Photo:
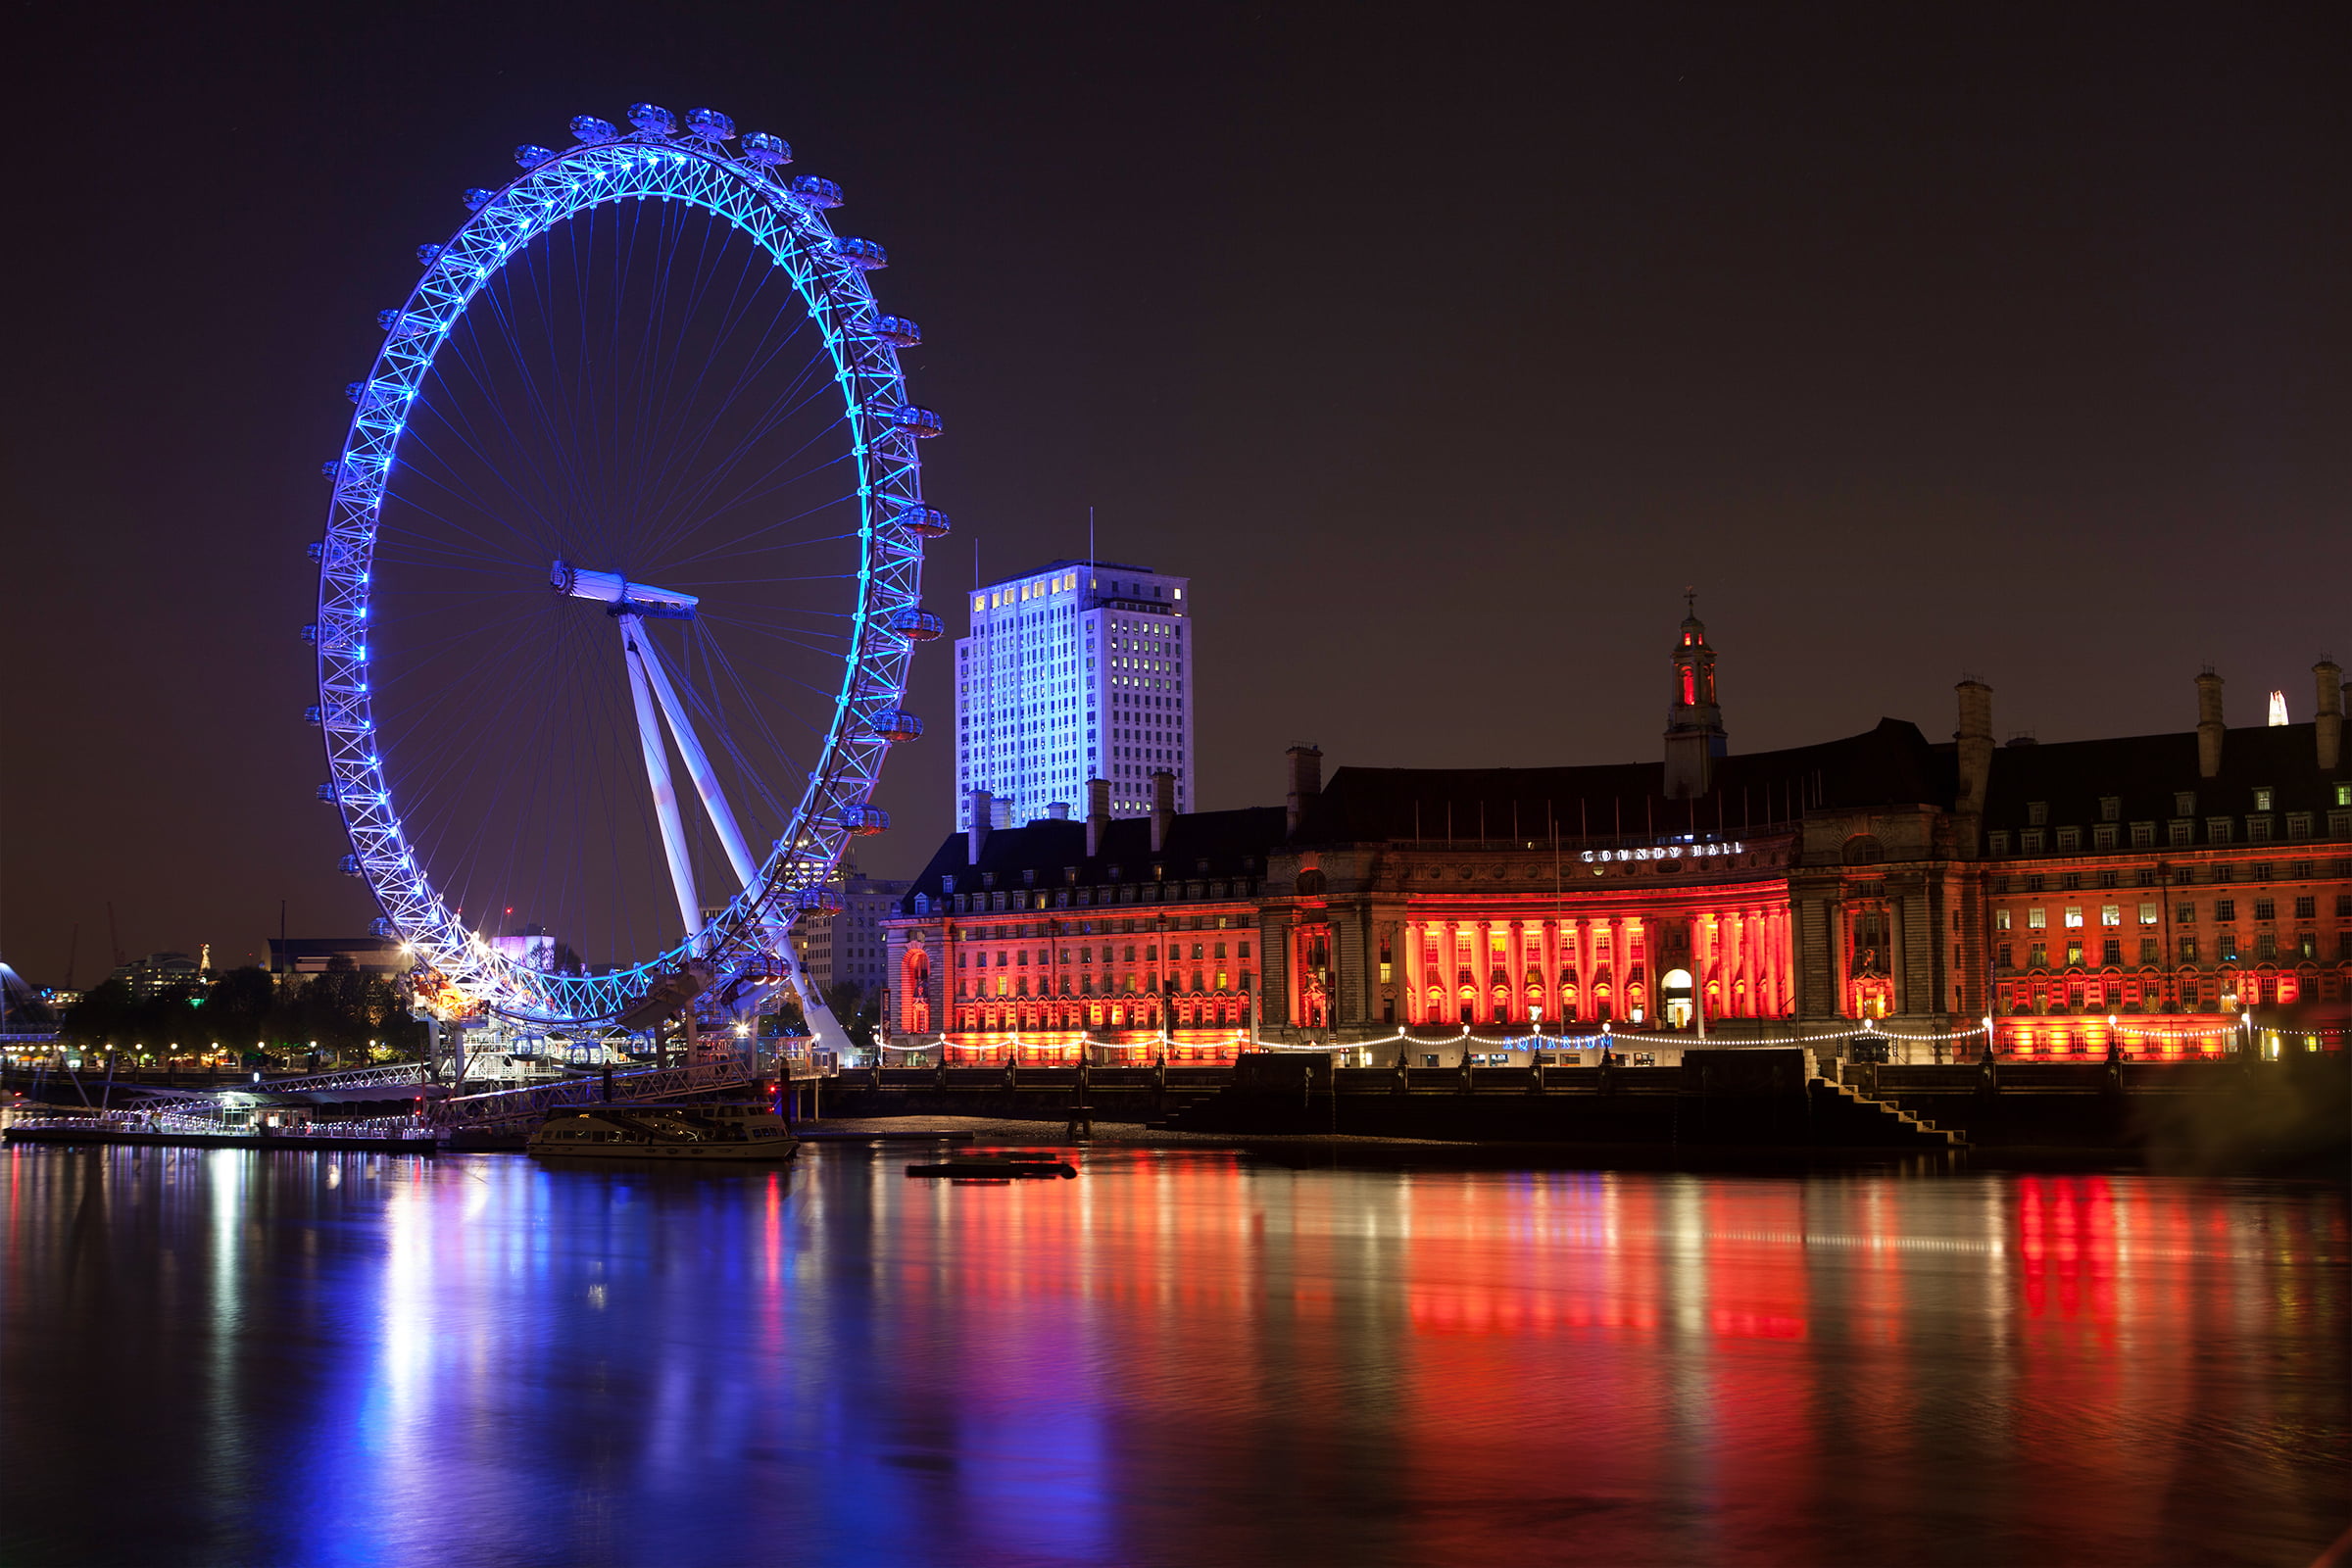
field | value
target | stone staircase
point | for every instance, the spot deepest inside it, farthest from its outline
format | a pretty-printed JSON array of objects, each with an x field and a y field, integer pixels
[{"x": 1913, "y": 1129}]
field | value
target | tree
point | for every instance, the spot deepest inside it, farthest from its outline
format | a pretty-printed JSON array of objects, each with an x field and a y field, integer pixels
[{"x": 856, "y": 1008}]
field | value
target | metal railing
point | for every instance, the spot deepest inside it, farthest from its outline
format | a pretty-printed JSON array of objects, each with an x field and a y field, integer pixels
[
  {"x": 181, "y": 1124},
  {"x": 505, "y": 1105}
]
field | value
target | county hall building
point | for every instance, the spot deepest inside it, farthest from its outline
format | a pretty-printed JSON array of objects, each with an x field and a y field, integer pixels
[{"x": 2164, "y": 892}]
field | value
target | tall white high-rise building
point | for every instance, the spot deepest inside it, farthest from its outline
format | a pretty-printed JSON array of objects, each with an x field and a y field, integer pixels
[{"x": 1079, "y": 670}]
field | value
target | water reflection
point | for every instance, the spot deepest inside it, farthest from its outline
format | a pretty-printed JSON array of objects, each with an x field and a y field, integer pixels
[{"x": 1180, "y": 1357}]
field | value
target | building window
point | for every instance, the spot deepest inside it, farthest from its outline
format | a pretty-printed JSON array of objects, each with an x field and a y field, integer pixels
[
  {"x": 2266, "y": 909},
  {"x": 2102, "y": 837},
  {"x": 2074, "y": 955},
  {"x": 2000, "y": 843},
  {"x": 2217, "y": 831},
  {"x": 2147, "y": 950},
  {"x": 2225, "y": 909},
  {"x": 2263, "y": 794},
  {"x": 2038, "y": 956},
  {"x": 2070, "y": 838},
  {"x": 2143, "y": 835},
  {"x": 2074, "y": 917},
  {"x": 2038, "y": 812},
  {"x": 2037, "y": 918},
  {"x": 2266, "y": 946},
  {"x": 2006, "y": 951},
  {"x": 2000, "y": 920},
  {"x": 2034, "y": 841},
  {"x": 2111, "y": 951},
  {"x": 2307, "y": 945},
  {"x": 2307, "y": 906},
  {"x": 2185, "y": 915},
  {"x": 2111, "y": 914},
  {"x": 2183, "y": 833},
  {"x": 2227, "y": 942},
  {"x": 2111, "y": 807},
  {"x": 2258, "y": 829},
  {"x": 2151, "y": 914}
]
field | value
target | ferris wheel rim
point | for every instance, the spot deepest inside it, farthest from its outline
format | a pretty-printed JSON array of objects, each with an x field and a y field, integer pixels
[{"x": 827, "y": 274}]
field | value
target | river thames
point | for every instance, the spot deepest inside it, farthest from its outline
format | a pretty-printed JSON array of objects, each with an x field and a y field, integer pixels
[{"x": 1190, "y": 1356}]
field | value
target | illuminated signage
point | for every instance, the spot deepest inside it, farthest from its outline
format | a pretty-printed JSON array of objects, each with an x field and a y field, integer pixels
[{"x": 1661, "y": 851}]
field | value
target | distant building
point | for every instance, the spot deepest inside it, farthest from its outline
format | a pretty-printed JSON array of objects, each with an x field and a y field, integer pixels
[
  {"x": 2165, "y": 895},
  {"x": 1074, "y": 671},
  {"x": 846, "y": 945},
  {"x": 160, "y": 973},
  {"x": 297, "y": 956}
]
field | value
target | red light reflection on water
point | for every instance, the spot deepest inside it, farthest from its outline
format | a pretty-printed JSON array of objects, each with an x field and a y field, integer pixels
[{"x": 1189, "y": 1355}]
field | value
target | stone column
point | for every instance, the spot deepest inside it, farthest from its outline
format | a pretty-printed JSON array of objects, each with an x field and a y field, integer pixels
[
  {"x": 1274, "y": 970},
  {"x": 1408, "y": 970},
  {"x": 1514, "y": 956},
  {"x": 1734, "y": 953}
]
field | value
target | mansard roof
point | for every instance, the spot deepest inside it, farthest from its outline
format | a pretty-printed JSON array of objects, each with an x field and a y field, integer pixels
[
  {"x": 1232, "y": 843},
  {"x": 2146, "y": 772},
  {"x": 1892, "y": 763}
]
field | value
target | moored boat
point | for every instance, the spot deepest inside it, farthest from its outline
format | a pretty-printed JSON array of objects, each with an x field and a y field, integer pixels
[
  {"x": 665, "y": 1132},
  {"x": 995, "y": 1167}
]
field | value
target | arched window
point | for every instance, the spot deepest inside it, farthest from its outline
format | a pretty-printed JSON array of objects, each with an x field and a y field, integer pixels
[{"x": 1864, "y": 849}]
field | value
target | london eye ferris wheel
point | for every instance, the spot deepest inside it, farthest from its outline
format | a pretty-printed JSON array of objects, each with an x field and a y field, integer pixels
[{"x": 620, "y": 578}]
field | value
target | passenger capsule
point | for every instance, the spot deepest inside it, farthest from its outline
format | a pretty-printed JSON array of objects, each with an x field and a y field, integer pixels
[
  {"x": 478, "y": 198},
  {"x": 710, "y": 124},
  {"x": 592, "y": 131},
  {"x": 530, "y": 155},
  {"x": 350, "y": 866},
  {"x": 427, "y": 255},
  {"x": 866, "y": 255},
  {"x": 326, "y": 792},
  {"x": 313, "y": 715},
  {"x": 810, "y": 192},
  {"x": 380, "y": 927},
  {"x": 897, "y": 331},
  {"x": 310, "y": 632},
  {"x": 866, "y": 821},
  {"x": 819, "y": 900},
  {"x": 767, "y": 151},
  {"x": 653, "y": 120},
  {"x": 895, "y": 727},
  {"x": 920, "y": 423},
  {"x": 315, "y": 549},
  {"x": 331, "y": 469},
  {"x": 917, "y": 625},
  {"x": 924, "y": 522}
]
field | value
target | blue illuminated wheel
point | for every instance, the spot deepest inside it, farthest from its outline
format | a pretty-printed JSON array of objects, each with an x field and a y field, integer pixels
[{"x": 621, "y": 576}]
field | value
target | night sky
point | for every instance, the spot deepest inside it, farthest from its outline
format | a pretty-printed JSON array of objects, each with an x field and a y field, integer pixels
[{"x": 1441, "y": 346}]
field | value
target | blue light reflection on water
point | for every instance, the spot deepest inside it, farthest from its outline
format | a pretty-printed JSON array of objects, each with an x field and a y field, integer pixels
[{"x": 1182, "y": 1356}]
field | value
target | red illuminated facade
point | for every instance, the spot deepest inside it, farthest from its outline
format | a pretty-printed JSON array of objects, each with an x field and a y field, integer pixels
[{"x": 2168, "y": 883}]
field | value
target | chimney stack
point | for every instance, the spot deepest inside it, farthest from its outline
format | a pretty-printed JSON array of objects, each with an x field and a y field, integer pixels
[
  {"x": 999, "y": 814},
  {"x": 2209, "y": 725},
  {"x": 1097, "y": 814},
  {"x": 1057, "y": 812},
  {"x": 1975, "y": 736},
  {"x": 1163, "y": 808},
  {"x": 984, "y": 817},
  {"x": 2328, "y": 725},
  {"x": 1305, "y": 765}
]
